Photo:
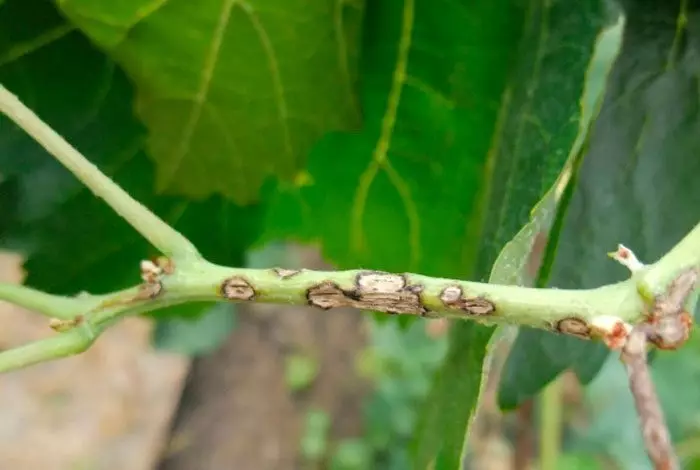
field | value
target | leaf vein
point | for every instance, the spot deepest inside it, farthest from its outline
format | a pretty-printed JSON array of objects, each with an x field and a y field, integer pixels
[
  {"x": 202, "y": 92},
  {"x": 379, "y": 155},
  {"x": 279, "y": 91}
]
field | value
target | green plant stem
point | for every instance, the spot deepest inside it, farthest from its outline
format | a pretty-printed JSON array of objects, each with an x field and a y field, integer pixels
[
  {"x": 550, "y": 425},
  {"x": 169, "y": 241},
  {"x": 591, "y": 313},
  {"x": 685, "y": 254},
  {"x": 63, "y": 345},
  {"x": 393, "y": 293},
  {"x": 53, "y": 306}
]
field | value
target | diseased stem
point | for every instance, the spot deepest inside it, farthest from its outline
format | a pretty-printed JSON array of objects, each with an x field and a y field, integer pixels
[
  {"x": 153, "y": 228},
  {"x": 589, "y": 313},
  {"x": 607, "y": 312}
]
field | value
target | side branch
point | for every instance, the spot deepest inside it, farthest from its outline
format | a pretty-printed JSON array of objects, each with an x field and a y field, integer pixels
[
  {"x": 657, "y": 438},
  {"x": 54, "y": 306},
  {"x": 152, "y": 227},
  {"x": 606, "y": 313}
]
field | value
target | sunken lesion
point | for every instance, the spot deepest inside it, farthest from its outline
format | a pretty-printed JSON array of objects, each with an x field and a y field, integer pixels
[
  {"x": 373, "y": 290},
  {"x": 573, "y": 326},
  {"x": 237, "y": 288},
  {"x": 284, "y": 273},
  {"x": 453, "y": 297},
  {"x": 150, "y": 290},
  {"x": 327, "y": 295}
]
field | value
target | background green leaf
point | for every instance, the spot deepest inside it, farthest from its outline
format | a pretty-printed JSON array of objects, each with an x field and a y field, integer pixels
[
  {"x": 430, "y": 146},
  {"x": 74, "y": 240},
  {"x": 195, "y": 336},
  {"x": 636, "y": 184},
  {"x": 230, "y": 91},
  {"x": 540, "y": 126},
  {"x": 537, "y": 356},
  {"x": 401, "y": 193}
]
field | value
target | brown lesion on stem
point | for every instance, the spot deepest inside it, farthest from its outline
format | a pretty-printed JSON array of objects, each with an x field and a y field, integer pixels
[
  {"x": 453, "y": 297},
  {"x": 237, "y": 288},
  {"x": 374, "y": 290},
  {"x": 670, "y": 320},
  {"x": 152, "y": 272},
  {"x": 574, "y": 327},
  {"x": 60, "y": 326}
]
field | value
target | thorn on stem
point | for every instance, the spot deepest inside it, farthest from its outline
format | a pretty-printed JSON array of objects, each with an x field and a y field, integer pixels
[{"x": 627, "y": 258}]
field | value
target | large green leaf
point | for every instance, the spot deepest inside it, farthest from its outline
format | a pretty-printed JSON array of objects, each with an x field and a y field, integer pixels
[
  {"x": 459, "y": 143},
  {"x": 75, "y": 241},
  {"x": 231, "y": 91},
  {"x": 637, "y": 184},
  {"x": 525, "y": 167},
  {"x": 401, "y": 193},
  {"x": 537, "y": 356}
]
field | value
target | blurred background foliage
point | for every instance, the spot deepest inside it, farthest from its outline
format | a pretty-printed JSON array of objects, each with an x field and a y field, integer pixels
[{"x": 501, "y": 140}]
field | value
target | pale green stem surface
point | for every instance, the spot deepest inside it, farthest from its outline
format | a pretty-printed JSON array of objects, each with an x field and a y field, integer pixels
[
  {"x": 54, "y": 306},
  {"x": 195, "y": 279}
]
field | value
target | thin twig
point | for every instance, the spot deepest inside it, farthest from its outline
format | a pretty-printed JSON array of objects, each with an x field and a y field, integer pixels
[
  {"x": 668, "y": 327},
  {"x": 657, "y": 439},
  {"x": 54, "y": 306},
  {"x": 153, "y": 228}
]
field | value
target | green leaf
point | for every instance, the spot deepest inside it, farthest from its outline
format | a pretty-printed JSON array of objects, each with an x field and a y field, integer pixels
[
  {"x": 411, "y": 179},
  {"x": 9, "y": 204},
  {"x": 513, "y": 198},
  {"x": 637, "y": 184},
  {"x": 75, "y": 241},
  {"x": 314, "y": 441},
  {"x": 537, "y": 356},
  {"x": 457, "y": 384},
  {"x": 230, "y": 91},
  {"x": 459, "y": 143},
  {"x": 195, "y": 336},
  {"x": 351, "y": 454},
  {"x": 300, "y": 371}
]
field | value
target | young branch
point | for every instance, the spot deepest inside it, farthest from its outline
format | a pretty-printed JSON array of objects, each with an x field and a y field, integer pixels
[
  {"x": 153, "y": 228},
  {"x": 63, "y": 345},
  {"x": 54, "y": 306},
  {"x": 606, "y": 313}
]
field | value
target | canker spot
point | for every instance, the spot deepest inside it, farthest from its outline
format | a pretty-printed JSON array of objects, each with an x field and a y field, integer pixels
[
  {"x": 453, "y": 297},
  {"x": 574, "y": 327},
  {"x": 237, "y": 288}
]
